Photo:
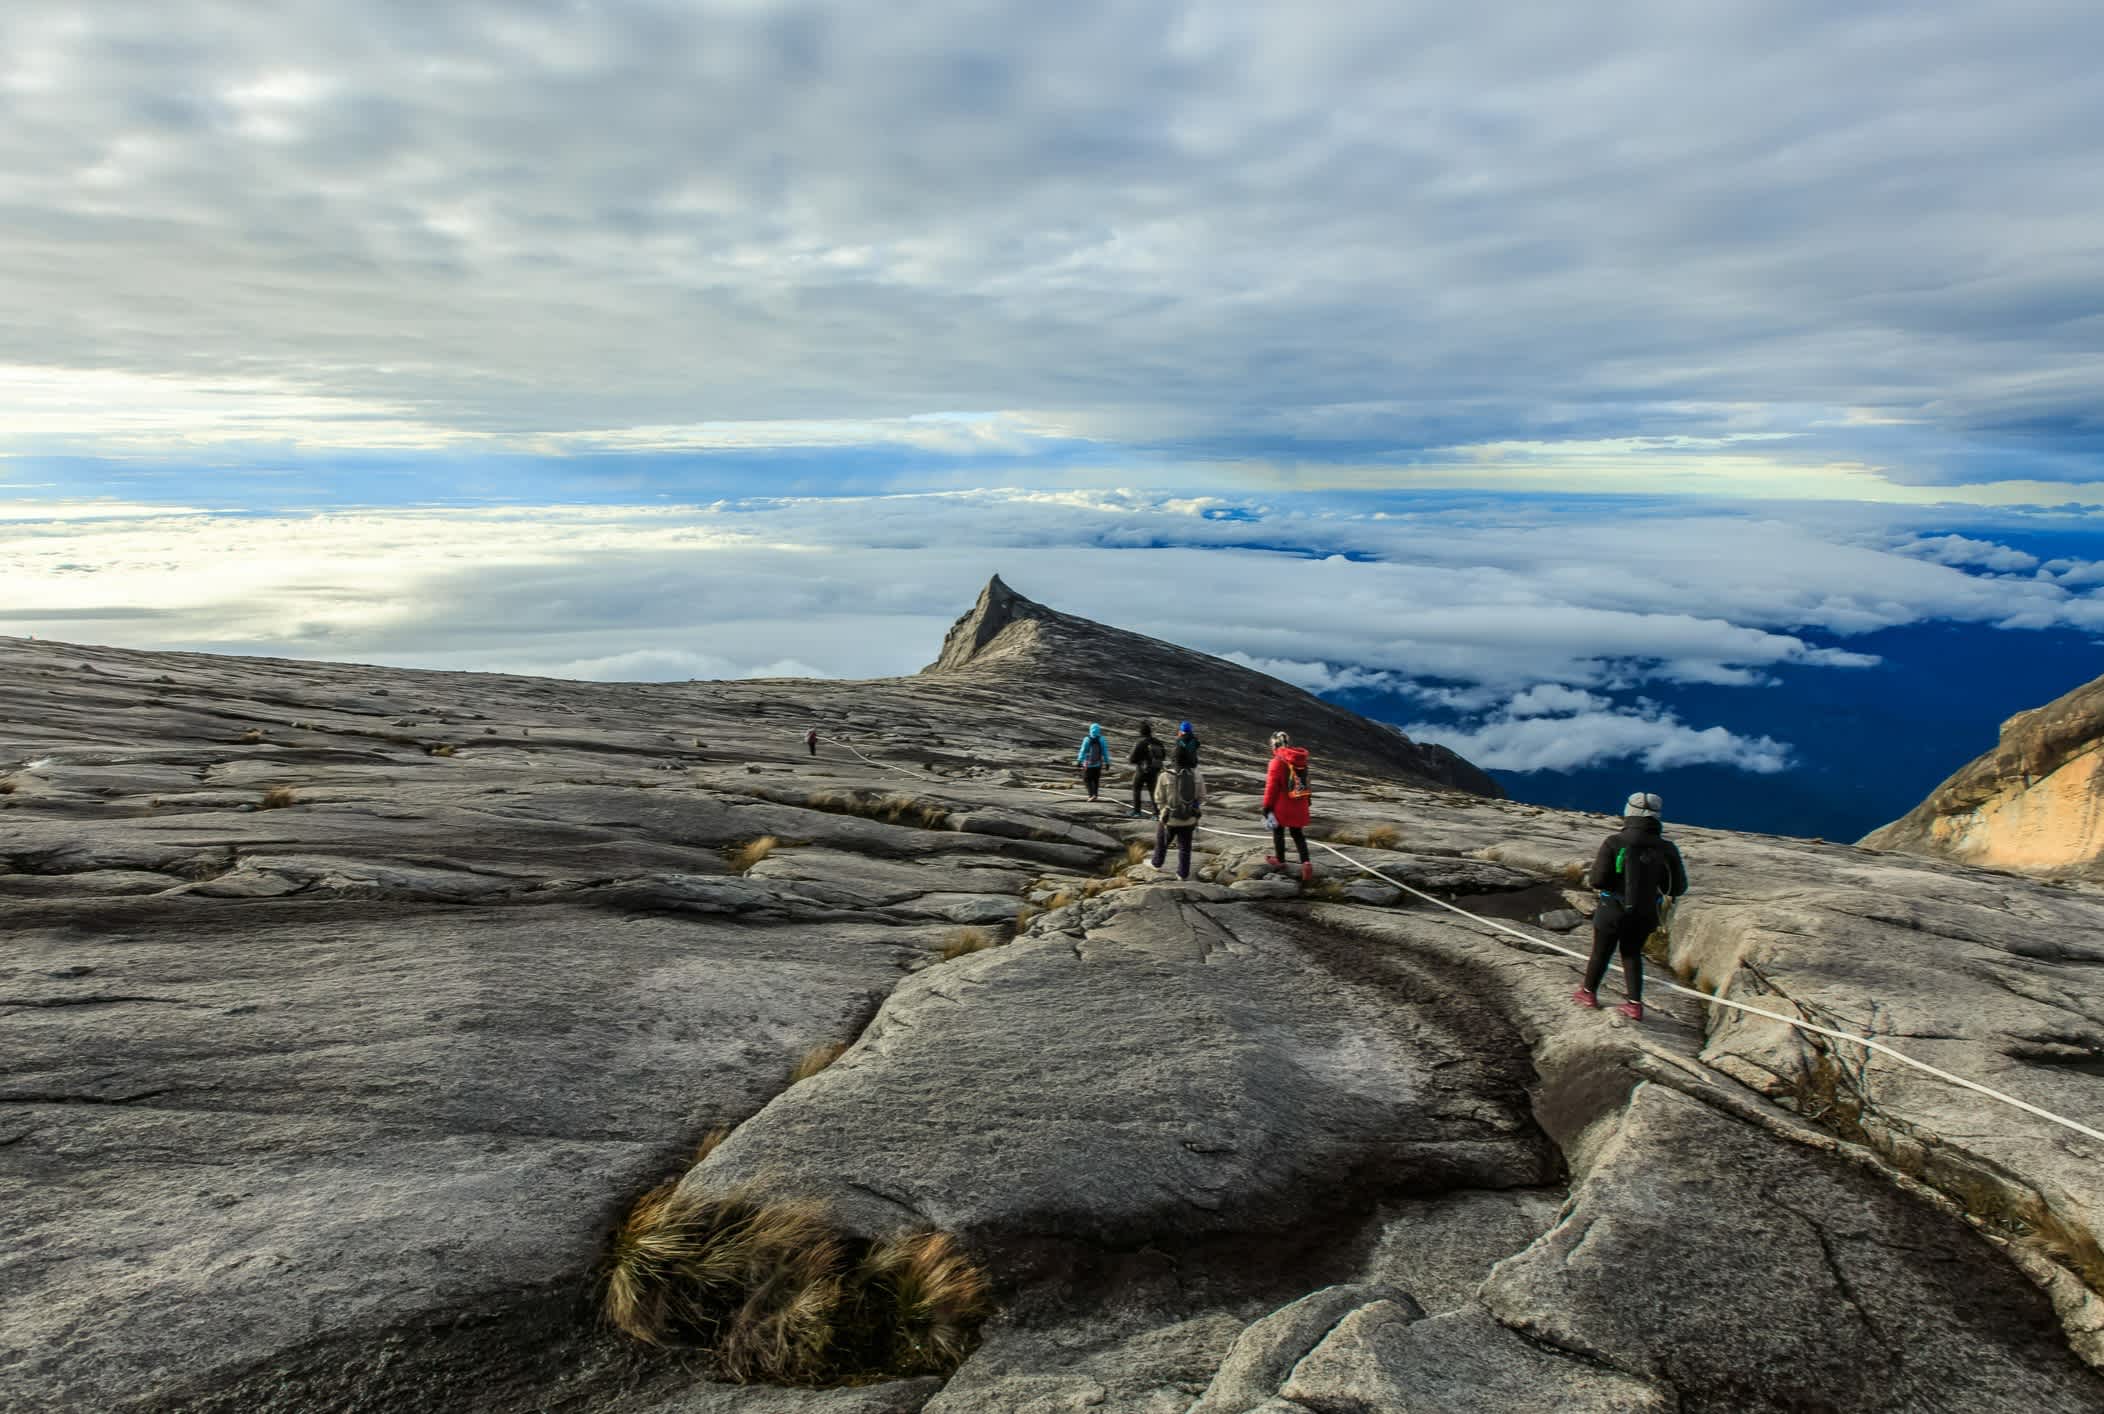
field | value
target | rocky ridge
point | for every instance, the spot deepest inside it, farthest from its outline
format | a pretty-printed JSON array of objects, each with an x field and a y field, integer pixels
[
  {"x": 347, "y": 1009},
  {"x": 2034, "y": 804}
]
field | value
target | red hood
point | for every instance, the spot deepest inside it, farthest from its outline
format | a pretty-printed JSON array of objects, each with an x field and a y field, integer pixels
[{"x": 1295, "y": 756}]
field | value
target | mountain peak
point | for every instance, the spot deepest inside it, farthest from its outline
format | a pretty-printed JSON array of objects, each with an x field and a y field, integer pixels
[
  {"x": 998, "y": 606},
  {"x": 1087, "y": 671}
]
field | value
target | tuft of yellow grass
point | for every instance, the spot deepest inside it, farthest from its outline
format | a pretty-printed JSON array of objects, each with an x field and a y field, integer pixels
[
  {"x": 1383, "y": 836},
  {"x": 743, "y": 857},
  {"x": 756, "y": 1279},
  {"x": 439, "y": 748},
  {"x": 770, "y": 1290},
  {"x": 934, "y": 1295},
  {"x": 7, "y": 786},
  {"x": 1023, "y": 916},
  {"x": 962, "y": 942},
  {"x": 251, "y": 736},
  {"x": 277, "y": 798},
  {"x": 1346, "y": 836},
  {"x": 710, "y": 1142},
  {"x": 1137, "y": 850},
  {"x": 815, "y": 1060}
]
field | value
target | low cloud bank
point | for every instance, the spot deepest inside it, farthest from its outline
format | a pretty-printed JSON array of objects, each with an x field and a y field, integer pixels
[{"x": 1537, "y": 623}]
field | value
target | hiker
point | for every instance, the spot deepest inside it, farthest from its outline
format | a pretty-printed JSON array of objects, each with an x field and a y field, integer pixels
[
  {"x": 1147, "y": 757},
  {"x": 1286, "y": 802},
  {"x": 1092, "y": 758},
  {"x": 1178, "y": 804},
  {"x": 1187, "y": 735},
  {"x": 811, "y": 740},
  {"x": 1636, "y": 868}
]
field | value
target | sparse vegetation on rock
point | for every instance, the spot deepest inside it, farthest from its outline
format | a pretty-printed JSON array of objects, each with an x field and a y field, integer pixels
[
  {"x": 815, "y": 1060},
  {"x": 964, "y": 941},
  {"x": 768, "y": 1289},
  {"x": 278, "y": 798}
]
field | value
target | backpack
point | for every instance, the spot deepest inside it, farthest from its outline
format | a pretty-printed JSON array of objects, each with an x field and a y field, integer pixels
[
  {"x": 1178, "y": 798},
  {"x": 1095, "y": 752},
  {"x": 1644, "y": 872},
  {"x": 1296, "y": 783},
  {"x": 1156, "y": 753}
]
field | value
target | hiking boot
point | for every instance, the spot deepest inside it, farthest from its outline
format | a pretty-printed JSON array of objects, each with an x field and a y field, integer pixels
[
  {"x": 1307, "y": 871},
  {"x": 1272, "y": 861},
  {"x": 1633, "y": 1010},
  {"x": 1584, "y": 997}
]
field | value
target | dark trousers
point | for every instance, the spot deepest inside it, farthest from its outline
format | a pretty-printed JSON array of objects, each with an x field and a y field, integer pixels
[
  {"x": 1092, "y": 777},
  {"x": 1616, "y": 927},
  {"x": 814, "y": 747},
  {"x": 1278, "y": 842},
  {"x": 1142, "y": 782},
  {"x": 1182, "y": 834}
]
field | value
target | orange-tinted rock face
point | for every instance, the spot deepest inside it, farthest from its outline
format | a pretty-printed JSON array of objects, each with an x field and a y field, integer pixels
[{"x": 2034, "y": 804}]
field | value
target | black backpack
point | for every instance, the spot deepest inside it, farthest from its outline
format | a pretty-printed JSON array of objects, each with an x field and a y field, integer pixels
[
  {"x": 1154, "y": 753},
  {"x": 1646, "y": 873},
  {"x": 1178, "y": 796}
]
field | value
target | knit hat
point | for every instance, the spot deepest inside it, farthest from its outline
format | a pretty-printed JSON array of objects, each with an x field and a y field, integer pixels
[
  {"x": 1643, "y": 803},
  {"x": 1184, "y": 728}
]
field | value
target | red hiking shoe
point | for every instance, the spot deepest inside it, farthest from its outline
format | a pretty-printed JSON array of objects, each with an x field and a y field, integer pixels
[
  {"x": 1633, "y": 1010},
  {"x": 1585, "y": 998},
  {"x": 1307, "y": 871},
  {"x": 1272, "y": 861}
]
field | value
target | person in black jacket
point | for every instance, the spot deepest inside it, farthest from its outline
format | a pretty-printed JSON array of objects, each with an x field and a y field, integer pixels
[
  {"x": 1635, "y": 869},
  {"x": 1146, "y": 758}
]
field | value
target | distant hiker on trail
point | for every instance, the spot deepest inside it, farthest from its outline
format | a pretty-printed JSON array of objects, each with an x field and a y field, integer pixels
[
  {"x": 1147, "y": 757},
  {"x": 1636, "y": 867},
  {"x": 1187, "y": 735},
  {"x": 1092, "y": 758},
  {"x": 1287, "y": 801},
  {"x": 811, "y": 740},
  {"x": 1179, "y": 801}
]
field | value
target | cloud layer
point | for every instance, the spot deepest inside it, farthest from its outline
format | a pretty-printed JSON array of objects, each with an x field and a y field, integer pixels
[
  {"x": 1537, "y": 627},
  {"x": 1610, "y": 233}
]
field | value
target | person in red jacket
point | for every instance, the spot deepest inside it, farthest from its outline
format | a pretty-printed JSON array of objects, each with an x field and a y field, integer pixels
[{"x": 1286, "y": 801}]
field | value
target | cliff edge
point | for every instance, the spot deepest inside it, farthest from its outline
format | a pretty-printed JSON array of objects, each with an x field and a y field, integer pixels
[{"x": 2033, "y": 805}]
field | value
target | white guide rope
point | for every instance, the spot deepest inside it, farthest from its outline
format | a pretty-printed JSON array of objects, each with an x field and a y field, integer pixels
[{"x": 1707, "y": 998}]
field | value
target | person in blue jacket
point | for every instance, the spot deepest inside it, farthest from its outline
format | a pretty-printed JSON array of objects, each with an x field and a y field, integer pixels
[{"x": 1092, "y": 758}]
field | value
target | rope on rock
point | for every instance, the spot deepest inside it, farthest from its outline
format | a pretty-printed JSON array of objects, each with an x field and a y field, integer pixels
[
  {"x": 1708, "y": 998},
  {"x": 1711, "y": 998}
]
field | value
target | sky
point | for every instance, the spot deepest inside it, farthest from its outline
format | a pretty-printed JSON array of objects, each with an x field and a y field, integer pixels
[{"x": 1532, "y": 356}]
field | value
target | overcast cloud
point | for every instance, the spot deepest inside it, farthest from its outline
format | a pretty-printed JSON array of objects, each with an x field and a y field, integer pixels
[{"x": 1244, "y": 235}]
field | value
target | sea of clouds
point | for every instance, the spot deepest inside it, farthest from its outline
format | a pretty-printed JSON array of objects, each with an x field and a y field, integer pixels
[{"x": 1536, "y": 626}]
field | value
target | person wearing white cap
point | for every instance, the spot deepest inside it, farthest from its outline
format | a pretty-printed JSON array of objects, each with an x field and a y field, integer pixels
[{"x": 1635, "y": 869}]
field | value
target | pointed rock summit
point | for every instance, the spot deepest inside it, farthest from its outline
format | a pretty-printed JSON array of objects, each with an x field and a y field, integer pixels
[
  {"x": 2034, "y": 804},
  {"x": 1079, "y": 671},
  {"x": 974, "y": 634}
]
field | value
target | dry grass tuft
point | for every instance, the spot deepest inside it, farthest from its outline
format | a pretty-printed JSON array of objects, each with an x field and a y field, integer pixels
[
  {"x": 895, "y": 809},
  {"x": 962, "y": 942},
  {"x": 251, "y": 736},
  {"x": 1023, "y": 916},
  {"x": 439, "y": 748},
  {"x": 935, "y": 1298},
  {"x": 1574, "y": 872},
  {"x": 1059, "y": 900},
  {"x": 771, "y": 1291},
  {"x": 756, "y": 1280},
  {"x": 711, "y": 1141},
  {"x": 1346, "y": 836},
  {"x": 277, "y": 798},
  {"x": 815, "y": 1060},
  {"x": 1383, "y": 836},
  {"x": 1137, "y": 850},
  {"x": 7, "y": 787},
  {"x": 743, "y": 857}
]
